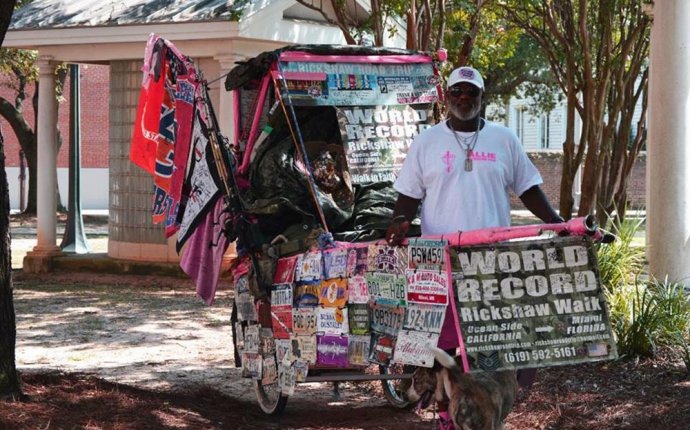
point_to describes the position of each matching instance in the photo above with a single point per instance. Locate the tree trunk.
(32, 191)
(570, 165)
(9, 378)
(27, 141)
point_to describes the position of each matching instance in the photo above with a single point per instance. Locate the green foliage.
(512, 63)
(674, 304)
(237, 9)
(18, 63)
(621, 262)
(645, 315)
(635, 319)
(684, 343)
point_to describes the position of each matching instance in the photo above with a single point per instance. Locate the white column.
(668, 145)
(46, 155)
(226, 106)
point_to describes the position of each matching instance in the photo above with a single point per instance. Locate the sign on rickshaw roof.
(256, 67)
(87, 13)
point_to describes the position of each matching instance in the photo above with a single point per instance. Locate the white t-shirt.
(454, 199)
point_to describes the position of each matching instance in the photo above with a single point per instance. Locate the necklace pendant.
(468, 161)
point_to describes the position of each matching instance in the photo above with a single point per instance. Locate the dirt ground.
(133, 352)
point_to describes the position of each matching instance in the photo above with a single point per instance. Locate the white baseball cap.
(466, 74)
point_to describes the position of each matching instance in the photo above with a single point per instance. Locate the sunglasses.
(470, 90)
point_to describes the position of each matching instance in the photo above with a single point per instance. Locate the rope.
(298, 141)
(218, 78)
(215, 145)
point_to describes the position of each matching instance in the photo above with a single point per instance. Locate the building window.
(545, 130)
(520, 124)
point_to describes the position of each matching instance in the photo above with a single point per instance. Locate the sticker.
(283, 350)
(335, 263)
(267, 345)
(239, 336)
(381, 348)
(304, 321)
(286, 380)
(251, 365)
(301, 370)
(242, 284)
(281, 321)
(309, 266)
(387, 259)
(426, 254)
(307, 295)
(252, 339)
(357, 290)
(413, 347)
(333, 293)
(385, 318)
(387, 286)
(358, 350)
(358, 318)
(246, 311)
(269, 371)
(331, 350)
(426, 286)
(303, 348)
(285, 270)
(424, 318)
(331, 321)
(597, 349)
(357, 261)
(281, 295)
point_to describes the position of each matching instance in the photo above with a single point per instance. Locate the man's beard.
(471, 114)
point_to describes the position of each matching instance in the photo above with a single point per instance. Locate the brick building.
(94, 85)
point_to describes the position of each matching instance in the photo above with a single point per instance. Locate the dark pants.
(526, 377)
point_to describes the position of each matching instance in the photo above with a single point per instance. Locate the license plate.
(424, 318)
(304, 321)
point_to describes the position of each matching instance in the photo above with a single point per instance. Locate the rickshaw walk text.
(561, 306)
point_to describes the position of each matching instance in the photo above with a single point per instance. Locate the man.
(462, 171)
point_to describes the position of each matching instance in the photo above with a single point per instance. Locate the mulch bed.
(650, 394)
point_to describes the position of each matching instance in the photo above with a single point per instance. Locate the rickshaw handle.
(581, 226)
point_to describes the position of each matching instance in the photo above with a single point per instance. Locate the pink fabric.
(202, 257)
(449, 336)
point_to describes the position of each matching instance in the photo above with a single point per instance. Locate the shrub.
(621, 262)
(635, 319)
(674, 304)
(644, 315)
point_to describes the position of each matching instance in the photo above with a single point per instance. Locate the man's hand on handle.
(404, 211)
(397, 231)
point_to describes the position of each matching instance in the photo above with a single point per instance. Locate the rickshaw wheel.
(395, 389)
(270, 398)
